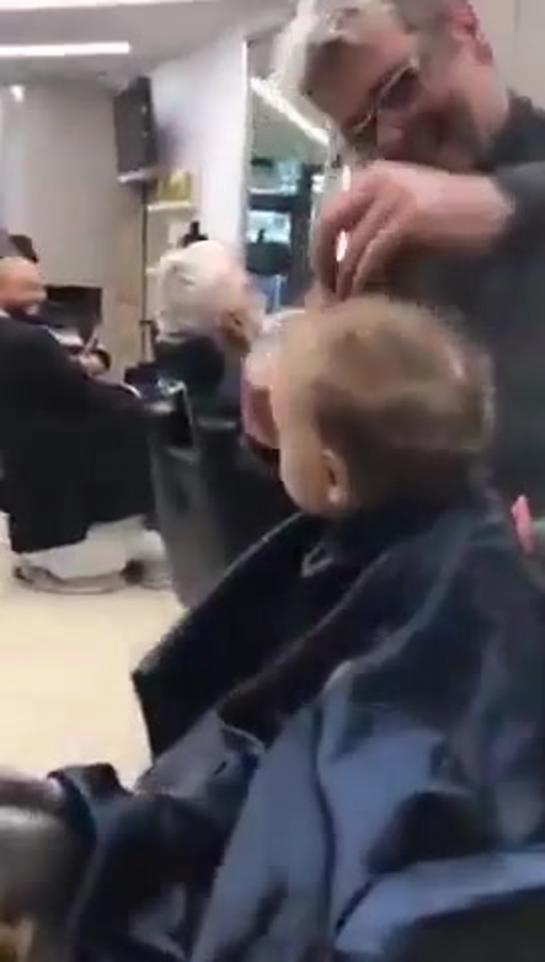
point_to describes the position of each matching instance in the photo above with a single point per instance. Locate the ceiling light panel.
(35, 51)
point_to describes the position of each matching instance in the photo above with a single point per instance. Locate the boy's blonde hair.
(401, 397)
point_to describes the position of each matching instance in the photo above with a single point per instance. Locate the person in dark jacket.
(74, 452)
(23, 295)
(348, 735)
(447, 200)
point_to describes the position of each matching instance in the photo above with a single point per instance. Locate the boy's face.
(239, 321)
(313, 476)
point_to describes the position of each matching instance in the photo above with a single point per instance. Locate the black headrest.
(196, 360)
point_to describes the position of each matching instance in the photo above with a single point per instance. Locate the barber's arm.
(390, 206)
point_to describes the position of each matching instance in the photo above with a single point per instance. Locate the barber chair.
(214, 497)
(40, 866)
(3, 494)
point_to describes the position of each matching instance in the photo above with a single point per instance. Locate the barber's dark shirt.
(500, 298)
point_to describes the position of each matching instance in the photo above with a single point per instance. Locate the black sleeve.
(52, 379)
(525, 185)
(104, 356)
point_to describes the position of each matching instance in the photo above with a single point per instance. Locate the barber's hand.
(524, 524)
(391, 206)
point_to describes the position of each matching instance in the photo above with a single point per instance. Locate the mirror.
(288, 152)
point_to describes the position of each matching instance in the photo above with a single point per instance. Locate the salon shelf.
(171, 207)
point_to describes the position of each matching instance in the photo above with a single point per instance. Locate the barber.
(447, 197)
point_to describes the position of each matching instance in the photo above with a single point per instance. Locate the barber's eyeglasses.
(398, 93)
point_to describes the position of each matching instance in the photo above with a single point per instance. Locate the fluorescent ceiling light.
(18, 93)
(269, 93)
(32, 51)
(79, 4)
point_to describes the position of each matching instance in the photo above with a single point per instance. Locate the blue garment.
(350, 758)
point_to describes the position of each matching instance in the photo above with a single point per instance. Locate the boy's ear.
(235, 332)
(338, 482)
(231, 331)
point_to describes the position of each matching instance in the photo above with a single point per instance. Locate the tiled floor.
(65, 663)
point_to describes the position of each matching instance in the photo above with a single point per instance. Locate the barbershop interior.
(272, 534)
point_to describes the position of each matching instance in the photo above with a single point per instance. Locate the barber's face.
(399, 98)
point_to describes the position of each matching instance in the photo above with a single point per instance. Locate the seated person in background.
(93, 356)
(23, 297)
(193, 236)
(75, 457)
(348, 734)
(209, 314)
(22, 290)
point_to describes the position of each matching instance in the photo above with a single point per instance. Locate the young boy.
(349, 733)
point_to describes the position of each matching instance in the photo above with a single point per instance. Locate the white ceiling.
(157, 30)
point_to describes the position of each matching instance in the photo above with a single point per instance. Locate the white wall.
(529, 59)
(201, 105)
(12, 164)
(58, 180)
(499, 20)
(517, 30)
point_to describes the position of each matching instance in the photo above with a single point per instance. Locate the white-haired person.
(447, 198)
(208, 315)
(209, 319)
(205, 290)
(213, 335)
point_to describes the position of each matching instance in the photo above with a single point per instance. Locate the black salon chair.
(214, 497)
(3, 492)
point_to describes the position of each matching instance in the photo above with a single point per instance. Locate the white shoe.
(148, 566)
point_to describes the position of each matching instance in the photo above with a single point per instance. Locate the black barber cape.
(73, 451)
(373, 790)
